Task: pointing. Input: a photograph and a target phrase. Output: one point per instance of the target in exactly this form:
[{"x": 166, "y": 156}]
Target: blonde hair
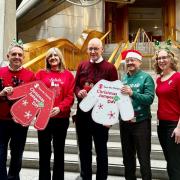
[
  {"x": 173, "y": 61},
  {"x": 60, "y": 55}
]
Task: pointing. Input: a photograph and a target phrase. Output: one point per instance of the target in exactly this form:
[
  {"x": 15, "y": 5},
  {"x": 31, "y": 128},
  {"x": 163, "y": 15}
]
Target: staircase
[{"x": 116, "y": 168}]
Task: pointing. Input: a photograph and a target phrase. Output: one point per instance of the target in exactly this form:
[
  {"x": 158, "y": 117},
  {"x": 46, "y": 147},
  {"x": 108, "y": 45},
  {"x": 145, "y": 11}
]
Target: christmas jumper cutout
[
  {"x": 35, "y": 104},
  {"x": 107, "y": 102}
]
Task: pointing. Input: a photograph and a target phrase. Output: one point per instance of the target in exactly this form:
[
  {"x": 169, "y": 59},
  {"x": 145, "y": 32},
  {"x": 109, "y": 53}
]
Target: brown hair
[
  {"x": 60, "y": 55},
  {"x": 173, "y": 61}
]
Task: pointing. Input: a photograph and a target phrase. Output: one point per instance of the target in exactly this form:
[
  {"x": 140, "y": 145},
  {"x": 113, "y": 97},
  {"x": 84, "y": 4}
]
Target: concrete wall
[
  {"x": 68, "y": 23},
  {"x": 7, "y": 27},
  {"x": 178, "y": 19}
]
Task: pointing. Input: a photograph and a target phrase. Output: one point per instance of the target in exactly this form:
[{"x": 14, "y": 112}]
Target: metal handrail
[
  {"x": 136, "y": 38},
  {"x": 114, "y": 52},
  {"x": 63, "y": 44},
  {"x": 119, "y": 58},
  {"x": 105, "y": 35}
]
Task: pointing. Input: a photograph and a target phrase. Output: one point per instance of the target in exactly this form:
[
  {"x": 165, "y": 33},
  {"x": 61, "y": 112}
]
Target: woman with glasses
[
  {"x": 61, "y": 81},
  {"x": 168, "y": 113}
]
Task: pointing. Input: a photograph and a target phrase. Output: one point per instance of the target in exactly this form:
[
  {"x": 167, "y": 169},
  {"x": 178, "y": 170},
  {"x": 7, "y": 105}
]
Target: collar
[
  {"x": 9, "y": 67},
  {"x": 98, "y": 61}
]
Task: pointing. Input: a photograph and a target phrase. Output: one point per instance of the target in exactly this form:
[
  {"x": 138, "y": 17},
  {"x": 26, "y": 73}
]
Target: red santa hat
[
  {"x": 132, "y": 54},
  {"x": 123, "y": 54}
]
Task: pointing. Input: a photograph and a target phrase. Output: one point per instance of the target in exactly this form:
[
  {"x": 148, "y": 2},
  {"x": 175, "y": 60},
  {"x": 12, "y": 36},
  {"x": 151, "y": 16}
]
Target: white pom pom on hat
[{"x": 133, "y": 54}]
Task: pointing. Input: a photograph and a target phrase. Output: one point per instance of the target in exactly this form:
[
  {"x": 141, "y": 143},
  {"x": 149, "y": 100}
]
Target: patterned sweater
[
  {"x": 143, "y": 86},
  {"x": 11, "y": 78}
]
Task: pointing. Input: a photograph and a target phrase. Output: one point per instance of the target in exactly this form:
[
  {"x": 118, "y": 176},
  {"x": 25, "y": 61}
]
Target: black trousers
[
  {"x": 88, "y": 130},
  {"x": 171, "y": 150},
  {"x": 55, "y": 132},
  {"x": 15, "y": 135},
  {"x": 136, "y": 138}
]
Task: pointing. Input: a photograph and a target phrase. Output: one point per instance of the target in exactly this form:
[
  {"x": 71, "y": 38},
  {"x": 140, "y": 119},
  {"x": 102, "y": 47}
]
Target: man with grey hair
[
  {"x": 88, "y": 74},
  {"x": 10, "y": 132}
]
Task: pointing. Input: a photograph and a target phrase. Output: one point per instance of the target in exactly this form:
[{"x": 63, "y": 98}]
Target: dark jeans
[
  {"x": 136, "y": 138},
  {"x": 15, "y": 135},
  {"x": 87, "y": 130},
  {"x": 55, "y": 131},
  {"x": 171, "y": 150}
]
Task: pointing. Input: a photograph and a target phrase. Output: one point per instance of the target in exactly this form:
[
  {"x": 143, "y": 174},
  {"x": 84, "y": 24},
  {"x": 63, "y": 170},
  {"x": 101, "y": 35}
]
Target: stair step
[
  {"x": 32, "y": 174},
  {"x": 114, "y": 135},
  {"x": 114, "y": 148},
  {"x": 30, "y": 160}
]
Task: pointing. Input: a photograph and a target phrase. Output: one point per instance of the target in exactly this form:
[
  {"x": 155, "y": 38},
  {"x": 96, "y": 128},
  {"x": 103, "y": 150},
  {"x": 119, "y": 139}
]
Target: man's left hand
[
  {"x": 55, "y": 111},
  {"x": 176, "y": 134}
]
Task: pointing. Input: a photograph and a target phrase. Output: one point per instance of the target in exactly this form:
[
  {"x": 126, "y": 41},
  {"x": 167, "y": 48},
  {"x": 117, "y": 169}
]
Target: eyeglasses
[
  {"x": 93, "y": 48},
  {"x": 161, "y": 57},
  {"x": 128, "y": 60}
]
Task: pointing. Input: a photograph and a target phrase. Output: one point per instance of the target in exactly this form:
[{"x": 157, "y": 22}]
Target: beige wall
[
  {"x": 178, "y": 19},
  {"x": 7, "y": 27},
  {"x": 68, "y": 23}
]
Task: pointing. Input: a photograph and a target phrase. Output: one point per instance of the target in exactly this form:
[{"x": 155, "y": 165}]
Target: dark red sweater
[
  {"x": 168, "y": 93},
  {"x": 11, "y": 78},
  {"x": 62, "y": 83},
  {"x": 91, "y": 73}
]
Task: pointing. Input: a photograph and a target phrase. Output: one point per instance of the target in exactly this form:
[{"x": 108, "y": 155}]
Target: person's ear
[{"x": 140, "y": 62}]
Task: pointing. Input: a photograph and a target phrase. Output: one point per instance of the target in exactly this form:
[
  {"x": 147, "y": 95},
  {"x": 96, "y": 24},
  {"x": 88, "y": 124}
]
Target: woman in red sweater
[
  {"x": 168, "y": 93},
  {"x": 61, "y": 81}
]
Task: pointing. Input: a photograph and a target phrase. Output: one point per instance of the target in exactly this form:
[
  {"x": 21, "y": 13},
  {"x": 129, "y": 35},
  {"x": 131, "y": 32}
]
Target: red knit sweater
[
  {"x": 168, "y": 93},
  {"x": 11, "y": 78},
  {"x": 62, "y": 83},
  {"x": 91, "y": 73}
]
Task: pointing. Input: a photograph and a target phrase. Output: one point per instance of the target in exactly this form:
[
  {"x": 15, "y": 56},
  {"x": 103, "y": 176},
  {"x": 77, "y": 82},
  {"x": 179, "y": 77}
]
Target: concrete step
[
  {"x": 32, "y": 132},
  {"x": 114, "y": 135},
  {"x": 116, "y": 126},
  {"x": 30, "y": 160},
  {"x": 114, "y": 148},
  {"x": 32, "y": 174}
]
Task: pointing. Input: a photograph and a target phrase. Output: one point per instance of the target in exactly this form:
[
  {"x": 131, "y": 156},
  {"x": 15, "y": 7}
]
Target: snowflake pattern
[
  {"x": 111, "y": 115},
  {"x": 139, "y": 108},
  {"x": 100, "y": 106},
  {"x": 27, "y": 114},
  {"x": 24, "y": 102}
]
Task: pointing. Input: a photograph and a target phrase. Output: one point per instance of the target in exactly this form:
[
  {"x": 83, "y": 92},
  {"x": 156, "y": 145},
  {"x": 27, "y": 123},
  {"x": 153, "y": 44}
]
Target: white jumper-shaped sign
[{"x": 107, "y": 102}]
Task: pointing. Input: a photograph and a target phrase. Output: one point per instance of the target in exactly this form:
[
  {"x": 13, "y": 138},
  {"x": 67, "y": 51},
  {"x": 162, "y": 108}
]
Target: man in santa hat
[{"x": 136, "y": 133}]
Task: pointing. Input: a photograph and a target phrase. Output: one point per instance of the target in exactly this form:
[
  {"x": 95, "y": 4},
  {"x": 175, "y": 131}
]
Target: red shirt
[
  {"x": 62, "y": 83},
  {"x": 168, "y": 93},
  {"x": 12, "y": 78}
]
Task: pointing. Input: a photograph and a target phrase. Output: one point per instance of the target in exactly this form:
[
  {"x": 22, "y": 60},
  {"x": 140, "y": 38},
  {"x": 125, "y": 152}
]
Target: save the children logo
[{"x": 34, "y": 104}]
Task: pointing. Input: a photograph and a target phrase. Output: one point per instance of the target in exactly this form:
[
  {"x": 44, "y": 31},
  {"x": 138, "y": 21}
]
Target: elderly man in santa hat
[{"x": 136, "y": 133}]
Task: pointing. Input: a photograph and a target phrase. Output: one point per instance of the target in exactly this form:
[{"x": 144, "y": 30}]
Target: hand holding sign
[
  {"x": 35, "y": 102},
  {"x": 107, "y": 101}
]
